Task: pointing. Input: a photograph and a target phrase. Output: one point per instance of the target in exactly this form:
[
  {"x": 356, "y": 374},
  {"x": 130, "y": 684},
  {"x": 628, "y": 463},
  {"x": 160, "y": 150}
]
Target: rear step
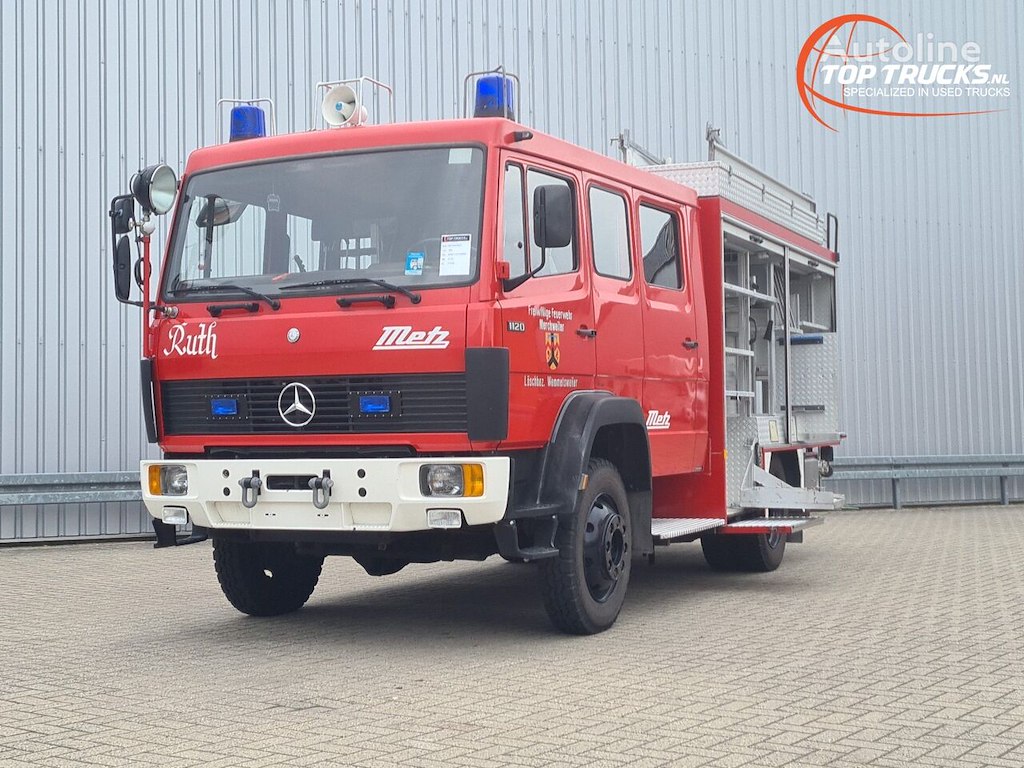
[
  {"x": 665, "y": 530},
  {"x": 784, "y": 525}
]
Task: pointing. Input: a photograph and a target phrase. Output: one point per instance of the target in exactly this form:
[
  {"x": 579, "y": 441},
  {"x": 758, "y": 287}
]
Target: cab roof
[{"x": 491, "y": 132}]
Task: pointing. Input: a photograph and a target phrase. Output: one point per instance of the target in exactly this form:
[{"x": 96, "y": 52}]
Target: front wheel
[
  {"x": 265, "y": 578},
  {"x": 585, "y": 586}
]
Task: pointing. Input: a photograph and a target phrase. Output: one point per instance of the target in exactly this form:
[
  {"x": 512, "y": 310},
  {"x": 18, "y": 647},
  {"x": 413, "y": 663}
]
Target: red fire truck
[{"x": 415, "y": 342}]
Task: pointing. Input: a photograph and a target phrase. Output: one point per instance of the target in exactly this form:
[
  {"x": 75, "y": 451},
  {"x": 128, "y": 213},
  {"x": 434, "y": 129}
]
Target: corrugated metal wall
[{"x": 932, "y": 231}]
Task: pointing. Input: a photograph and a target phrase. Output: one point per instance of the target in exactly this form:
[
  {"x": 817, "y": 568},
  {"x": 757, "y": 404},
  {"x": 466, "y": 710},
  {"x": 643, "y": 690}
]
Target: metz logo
[
  {"x": 200, "y": 343},
  {"x": 404, "y": 337},
  {"x": 657, "y": 420}
]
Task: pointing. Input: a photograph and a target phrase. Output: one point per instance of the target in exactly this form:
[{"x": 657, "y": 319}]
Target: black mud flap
[
  {"x": 506, "y": 534},
  {"x": 167, "y": 535}
]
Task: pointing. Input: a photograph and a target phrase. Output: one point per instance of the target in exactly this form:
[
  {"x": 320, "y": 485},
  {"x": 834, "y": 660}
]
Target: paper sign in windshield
[{"x": 455, "y": 255}]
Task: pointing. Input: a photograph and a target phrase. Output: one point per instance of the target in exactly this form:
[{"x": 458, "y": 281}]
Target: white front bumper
[{"x": 368, "y": 494}]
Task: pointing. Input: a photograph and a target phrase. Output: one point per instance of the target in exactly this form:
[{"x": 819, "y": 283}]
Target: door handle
[
  {"x": 691, "y": 344},
  {"x": 587, "y": 333}
]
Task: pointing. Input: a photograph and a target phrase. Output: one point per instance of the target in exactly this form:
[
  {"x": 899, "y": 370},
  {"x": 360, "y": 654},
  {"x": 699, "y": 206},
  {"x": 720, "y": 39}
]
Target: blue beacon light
[
  {"x": 495, "y": 97},
  {"x": 247, "y": 122}
]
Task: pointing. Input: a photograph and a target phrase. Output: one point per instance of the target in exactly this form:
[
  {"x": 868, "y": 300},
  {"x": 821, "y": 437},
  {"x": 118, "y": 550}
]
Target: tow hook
[
  {"x": 250, "y": 489},
  {"x": 321, "y": 487}
]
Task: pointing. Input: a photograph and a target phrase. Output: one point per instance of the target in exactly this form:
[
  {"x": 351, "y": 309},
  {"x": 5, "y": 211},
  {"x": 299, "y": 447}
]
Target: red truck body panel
[{"x": 637, "y": 353}]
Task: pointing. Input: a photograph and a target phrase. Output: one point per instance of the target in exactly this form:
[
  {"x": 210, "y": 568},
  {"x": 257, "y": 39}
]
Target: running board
[
  {"x": 666, "y": 529},
  {"x": 784, "y": 525}
]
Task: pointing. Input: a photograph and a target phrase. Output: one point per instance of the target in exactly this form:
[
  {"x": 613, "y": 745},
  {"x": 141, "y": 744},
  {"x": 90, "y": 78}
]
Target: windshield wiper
[
  {"x": 182, "y": 288},
  {"x": 414, "y": 297}
]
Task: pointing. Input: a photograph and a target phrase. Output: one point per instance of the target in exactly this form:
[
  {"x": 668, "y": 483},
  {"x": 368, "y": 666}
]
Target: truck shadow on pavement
[{"x": 489, "y": 603}]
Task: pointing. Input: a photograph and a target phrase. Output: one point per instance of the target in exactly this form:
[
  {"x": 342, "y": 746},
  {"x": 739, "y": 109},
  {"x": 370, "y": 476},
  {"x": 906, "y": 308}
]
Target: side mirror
[
  {"x": 155, "y": 189},
  {"x": 552, "y": 216},
  {"x": 552, "y": 226},
  {"x": 122, "y": 217},
  {"x": 122, "y": 269},
  {"x": 122, "y": 213}
]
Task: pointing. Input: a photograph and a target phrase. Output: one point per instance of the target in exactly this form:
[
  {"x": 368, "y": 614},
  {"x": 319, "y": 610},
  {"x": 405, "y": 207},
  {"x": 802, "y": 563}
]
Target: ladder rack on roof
[{"x": 729, "y": 176}]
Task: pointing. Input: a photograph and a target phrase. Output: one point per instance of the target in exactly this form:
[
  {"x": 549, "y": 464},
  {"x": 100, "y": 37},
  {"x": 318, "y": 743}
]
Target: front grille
[{"x": 420, "y": 403}]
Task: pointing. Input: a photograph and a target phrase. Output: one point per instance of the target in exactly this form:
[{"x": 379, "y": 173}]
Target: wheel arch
[{"x": 602, "y": 426}]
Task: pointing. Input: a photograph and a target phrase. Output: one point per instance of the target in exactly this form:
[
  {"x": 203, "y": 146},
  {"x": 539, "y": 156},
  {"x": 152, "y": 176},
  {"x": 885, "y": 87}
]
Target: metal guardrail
[
  {"x": 103, "y": 487},
  {"x": 69, "y": 488},
  {"x": 896, "y": 469}
]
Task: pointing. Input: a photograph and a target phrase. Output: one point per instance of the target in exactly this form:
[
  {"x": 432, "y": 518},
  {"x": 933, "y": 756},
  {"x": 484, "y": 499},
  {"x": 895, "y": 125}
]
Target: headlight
[
  {"x": 452, "y": 480},
  {"x": 168, "y": 480}
]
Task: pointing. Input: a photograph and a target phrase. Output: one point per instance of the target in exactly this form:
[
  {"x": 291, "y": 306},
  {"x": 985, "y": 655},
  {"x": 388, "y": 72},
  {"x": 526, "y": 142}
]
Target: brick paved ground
[{"x": 887, "y": 639}]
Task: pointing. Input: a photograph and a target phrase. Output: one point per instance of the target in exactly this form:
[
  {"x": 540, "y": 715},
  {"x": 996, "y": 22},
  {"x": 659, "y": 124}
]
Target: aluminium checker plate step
[
  {"x": 785, "y": 525},
  {"x": 668, "y": 529}
]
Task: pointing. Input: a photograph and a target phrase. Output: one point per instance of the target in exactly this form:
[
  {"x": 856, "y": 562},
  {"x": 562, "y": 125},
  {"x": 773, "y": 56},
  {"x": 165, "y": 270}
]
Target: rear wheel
[
  {"x": 754, "y": 552},
  {"x": 585, "y": 586},
  {"x": 759, "y": 552},
  {"x": 784, "y": 467},
  {"x": 265, "y": 578}
]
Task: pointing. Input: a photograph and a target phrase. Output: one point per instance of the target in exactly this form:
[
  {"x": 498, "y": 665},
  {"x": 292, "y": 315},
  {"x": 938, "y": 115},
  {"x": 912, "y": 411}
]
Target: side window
[
  {"x": 514, "y": 239},
  {"x": 659, "y": 243},
  {"x": 609, "y": 234},
  {"x": 558, "y": 261}
]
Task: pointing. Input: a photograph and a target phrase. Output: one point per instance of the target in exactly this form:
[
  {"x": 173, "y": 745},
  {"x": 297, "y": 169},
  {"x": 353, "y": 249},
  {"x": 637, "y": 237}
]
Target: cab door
[
  {"x": 617, "y": 315},
  {"x": 542, "y": 318},
  {"x": 674, "y": 339}
]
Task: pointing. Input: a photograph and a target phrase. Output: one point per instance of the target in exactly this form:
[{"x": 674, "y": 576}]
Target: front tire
[
  {"x": 265, "y": 578},
  {"x": 585, "y": 586}
]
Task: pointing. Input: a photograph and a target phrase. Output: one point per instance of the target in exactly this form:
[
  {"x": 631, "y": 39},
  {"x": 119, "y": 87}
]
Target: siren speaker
[{"x": 341, "y": 107}]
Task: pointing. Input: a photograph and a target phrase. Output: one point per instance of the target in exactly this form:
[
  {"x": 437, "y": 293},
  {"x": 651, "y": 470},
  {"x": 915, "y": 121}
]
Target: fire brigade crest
[{"x": 552, "y": 351}]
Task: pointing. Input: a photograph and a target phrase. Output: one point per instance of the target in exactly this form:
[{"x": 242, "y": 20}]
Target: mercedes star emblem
[{"x": 296, "y": 404}]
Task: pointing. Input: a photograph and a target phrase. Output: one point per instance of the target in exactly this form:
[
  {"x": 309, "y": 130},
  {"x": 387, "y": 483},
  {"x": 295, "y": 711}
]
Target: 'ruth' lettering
[{"x": 202, "y": 343}]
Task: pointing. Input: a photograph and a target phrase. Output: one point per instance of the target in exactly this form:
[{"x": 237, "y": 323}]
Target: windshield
[{"x": 408, "y": 217}]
